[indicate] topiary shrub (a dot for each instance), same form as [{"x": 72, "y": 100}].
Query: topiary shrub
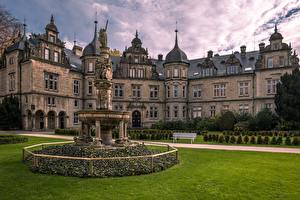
[
  {"x": 274, "y": 140},
  {"x": 227, "y": 138},
  {"x": 279, "y": 140},
  {"x": 239, "y": 140},
  {"x": 221, "y": 139},
  {"x": 226, "y": 121},
  {"x": 232, "y": 139},
  {"x": 253, "y": 139},
  {"x": 266, "y": 140},
  {"x": 296, "y": 141},
  {"x": 259, "y": 140},
  {"x": 205, "y": 138},
  {"x": 288, "y": 141},
  {"x": 246, "y": 139}
]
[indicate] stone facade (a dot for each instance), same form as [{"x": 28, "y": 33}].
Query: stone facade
[{"x": 54, "y": 83}]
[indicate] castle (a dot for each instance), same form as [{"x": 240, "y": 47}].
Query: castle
[{"x": 54, "y": 82}]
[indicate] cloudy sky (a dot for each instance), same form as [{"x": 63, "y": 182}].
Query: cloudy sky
[{"x": 220, "y": 25}]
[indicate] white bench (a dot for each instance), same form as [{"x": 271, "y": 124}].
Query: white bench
[{"x": 190, "y": 136}]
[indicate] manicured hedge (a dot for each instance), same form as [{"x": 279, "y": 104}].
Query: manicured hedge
[
  {"x": 263, "y": 133},
  {"x": 12, "y": 139},
  {"x": 253, "y": 139},
  {"x": 153, "y": 134},
  {"x": 100, "y": 168}
]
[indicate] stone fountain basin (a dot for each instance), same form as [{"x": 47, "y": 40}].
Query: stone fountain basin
[{"x": 106, "y": 117}]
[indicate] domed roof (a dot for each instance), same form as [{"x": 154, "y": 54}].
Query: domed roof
[
  {"x": 93, "y": 48},
  {"x": 136, "y": 41},
  {"x": 51, "y": 26},
  {"x": 176, "y": 54},
  {"x": 276, "y": 35}
]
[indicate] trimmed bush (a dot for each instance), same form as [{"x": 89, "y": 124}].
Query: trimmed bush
[
  {"x": 296, "y": 141},
  {"x": 265, "y": 120},
  {"x": 279, "y": 140},
  {"x": 227, "y": 138},
  {"x": 239, "y": 140},
  {"x": 12, "y": 139},
  {"x": 274, "y": 140},
  {"x": 205, "y": 138},
  {"x": 232, "y": 139},
  {"x": 221, "y": 139},
  {"x": 246, "y": 139},
  {"x": 259, "y": 140},
  {"x": 253, "y": 139},
  {"x": 288, "y": 141},
  {"x": 266, "y": 140}
]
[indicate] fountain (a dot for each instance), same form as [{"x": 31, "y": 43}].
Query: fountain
[
  {"x": 100, "y": 156},
  {"x": 103, "y": 118}
]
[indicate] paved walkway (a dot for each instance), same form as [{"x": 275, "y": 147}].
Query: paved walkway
[{"x": 179, "y": 145}]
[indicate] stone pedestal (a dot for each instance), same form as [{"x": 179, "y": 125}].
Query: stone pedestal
[{"x": 106, "y": 137}]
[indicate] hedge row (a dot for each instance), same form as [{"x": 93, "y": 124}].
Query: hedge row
[
  {"x": 100, "y": 168},
  {"x": 12, "y": 139},
  {"x": 274, "y": 140},
  {"x": 263, "y": 133}
]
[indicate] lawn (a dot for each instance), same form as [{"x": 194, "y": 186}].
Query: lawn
[{"x": 202, "y": 174}]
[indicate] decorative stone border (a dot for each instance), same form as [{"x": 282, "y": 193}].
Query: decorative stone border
[{"x": 99, "y": 167}]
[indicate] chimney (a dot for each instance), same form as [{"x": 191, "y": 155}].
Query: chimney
[
  {"x": 160, "y": 57},
  {"x": 77, "y": 50},
  {"x": 210, "y": 54},
  {"x": 261, "y": 46},
  {"x": 243, "y": 51}
]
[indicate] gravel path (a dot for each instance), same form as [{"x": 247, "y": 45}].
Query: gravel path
[{"x": 179, "y": 145}]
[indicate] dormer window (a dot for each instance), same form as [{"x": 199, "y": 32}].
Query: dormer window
[
  {"x": 136, "y": 59},
  {"x": 91, "y": 67},
  {"x": 232, "y": 69},
  {"x": 52, "y": 38},
  {"x": 47, "y": 53},
  {"x": 207, "y": 72}
]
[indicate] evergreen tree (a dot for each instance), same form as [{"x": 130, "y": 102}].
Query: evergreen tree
[
  {"x": 239, "y": 140},
  {"x": 10, "y": 113},
  {"x": 288, "y": 141},
  {"x": 274, "y": 140},
  {"x": 287, "y": 98},
  {"x": 246, "y": 139},
  {"x": 232, "y": 139},
  {"x": 253, "y": 139}
]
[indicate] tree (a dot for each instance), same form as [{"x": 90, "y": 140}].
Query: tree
[
  {"x": 10, "y": 113},
  {"x": 226, "y": 121},
  {"x": 9, "y": 29},
  {"x": 287, "y": 99},
  {"x": 265, "y": 119}
]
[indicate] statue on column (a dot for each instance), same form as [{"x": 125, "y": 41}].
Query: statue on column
[{"x": 103, "y": 36}]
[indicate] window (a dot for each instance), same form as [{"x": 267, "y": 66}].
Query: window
[
  {"x": 153, "y": 91},
  {"x": 183, "y": 73},
  {"x": 90, "y": 88},
  {"x": 75, "y": 118},
  {"x": 11, "y": 60},
  {"x": 136, "y": 91},
  {"x": 52, "y": 38},
  {"x": 244, "y": 88},
  {"x": 220, "y": 90},
  {"x": 212, "y": 111},
  {"x": 207, "y": 72},
  {"x": 118, "y": 90},
  {"x": 168, "y": 112},
  {"x": 47, "y": 52},
  {"x": 271, "y": 86},
  {"x": 225, "y": 107},
  {"x": 140, "y": 73},
  {"x": 197, "y": 91},
  {"x": 118, "y": 107},
  {"x": 153, "y": 112},
  {"x": 175, "y": 91},
  {"x": 132, "y": 73},
  {"x": 91, "y": 67},
  {"x": 176, "y": 72},
  {"x": 51, "y": 101},
  {"x": 76, "y": 87},
  {"x": 232, "y": 69},
  {"x": 183, "y": 111},
  {"x": 12, "y": 82},
  {"x": 168, "y": 73},
  {"x": 168, "y": 91},
  {"x": 90, "y": 106},
  {"x": 270, "y": 63},
  {"x": 55, "y": 56},
  {"x": 76, "y": 103},
  {"x": 136, "y": 59},
  {"x": 175, "y": 111},
  {"x": 244, "y": 108},
  {"x": 51, "y": 81},
  {"x": 269, "y": 105},
  {"x": 281, "y": 61},
  {"x": 197, "y": 112},
  {"x": 183, "y": 91}
]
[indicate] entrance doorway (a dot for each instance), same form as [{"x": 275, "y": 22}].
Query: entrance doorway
[{"x": 136, "y": 119}]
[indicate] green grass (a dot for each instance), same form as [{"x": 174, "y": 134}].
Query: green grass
[{"x": 201, "y": 174}]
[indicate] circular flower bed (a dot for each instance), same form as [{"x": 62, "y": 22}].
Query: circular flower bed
[
  {"x": 72, "y": 160},
  {"x": 12, "y": 139}
]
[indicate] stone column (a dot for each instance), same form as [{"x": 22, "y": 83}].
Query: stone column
[
  {"x": 121, "y": 130},
  {"x": 98, "y": 130},
  {"x": 125, "y": 130},
  {"x": 46, "y": 122},
  {"x": 33, "y": 122}
]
